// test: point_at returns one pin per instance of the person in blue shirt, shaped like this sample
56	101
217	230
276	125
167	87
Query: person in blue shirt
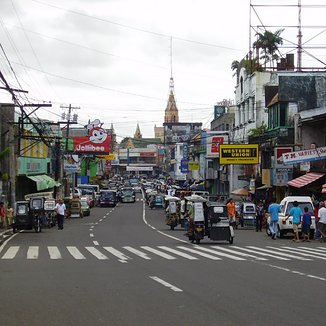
306	223
296	214
273	209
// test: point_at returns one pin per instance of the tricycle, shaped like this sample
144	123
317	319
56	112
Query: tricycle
172	209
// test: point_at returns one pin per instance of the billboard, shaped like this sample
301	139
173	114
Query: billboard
97	141
180	132
239	154
213	141
307	155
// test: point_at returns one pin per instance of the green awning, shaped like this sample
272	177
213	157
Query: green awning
43	181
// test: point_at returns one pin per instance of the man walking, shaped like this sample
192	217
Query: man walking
296	213
322	221
60	208
273	209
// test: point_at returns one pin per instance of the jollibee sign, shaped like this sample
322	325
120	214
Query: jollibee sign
97	141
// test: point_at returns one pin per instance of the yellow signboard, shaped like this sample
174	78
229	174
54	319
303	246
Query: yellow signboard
193	165
109	157
239	154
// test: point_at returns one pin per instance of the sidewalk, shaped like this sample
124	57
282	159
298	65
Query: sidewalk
5	234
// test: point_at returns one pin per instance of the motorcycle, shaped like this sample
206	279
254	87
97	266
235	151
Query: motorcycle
172	210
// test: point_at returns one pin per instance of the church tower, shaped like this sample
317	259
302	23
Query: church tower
171	111
138	134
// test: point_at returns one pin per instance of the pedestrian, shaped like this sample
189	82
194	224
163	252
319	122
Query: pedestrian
306	223
322	221
259	216
2	215
10	215
230	205
296	214
316	209
273	209
60	208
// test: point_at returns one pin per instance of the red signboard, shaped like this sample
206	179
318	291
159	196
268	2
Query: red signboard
98	141
148	154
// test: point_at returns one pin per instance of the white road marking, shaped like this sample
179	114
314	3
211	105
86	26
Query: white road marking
166	284
278	253
220	253
179	253
203	254
314	251
122	257
238	253
261	253
75	253
157	252
137	252
303	252
91	235
54	252
96	253
295	252
11	253
6	241
96	243
101	219
33	252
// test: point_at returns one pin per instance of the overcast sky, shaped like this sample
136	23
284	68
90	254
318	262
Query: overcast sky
111	58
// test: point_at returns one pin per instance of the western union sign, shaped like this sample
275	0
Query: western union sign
239	154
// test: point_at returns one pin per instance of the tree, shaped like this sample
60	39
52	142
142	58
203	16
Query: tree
268	42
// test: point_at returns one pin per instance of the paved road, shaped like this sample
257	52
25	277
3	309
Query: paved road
123	266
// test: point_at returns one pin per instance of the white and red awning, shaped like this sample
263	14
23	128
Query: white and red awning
306	179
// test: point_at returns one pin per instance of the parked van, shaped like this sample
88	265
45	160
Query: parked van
285	227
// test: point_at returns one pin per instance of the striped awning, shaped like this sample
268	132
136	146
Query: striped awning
306	179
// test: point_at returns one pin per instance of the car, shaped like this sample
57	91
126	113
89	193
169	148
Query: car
128	195
108	198
85	208
286	226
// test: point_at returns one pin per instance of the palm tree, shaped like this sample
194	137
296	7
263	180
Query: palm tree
236	66
269	43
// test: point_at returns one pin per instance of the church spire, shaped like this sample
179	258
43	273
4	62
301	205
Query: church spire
138	134
171	111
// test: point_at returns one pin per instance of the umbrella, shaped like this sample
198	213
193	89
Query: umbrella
240	192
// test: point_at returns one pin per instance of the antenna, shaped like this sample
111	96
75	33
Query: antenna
171	55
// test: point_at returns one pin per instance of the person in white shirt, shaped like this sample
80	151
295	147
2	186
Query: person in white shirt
60	208
322	221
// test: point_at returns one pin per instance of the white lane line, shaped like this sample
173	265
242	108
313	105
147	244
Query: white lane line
203	254
137	252
304	253
101	219
242	254
166	284
157	252
91	235
54	252
178	253
11	252
32	252
322	248
261	253
96	243
96	253
279	253
6	241
122	257
75	253
220	253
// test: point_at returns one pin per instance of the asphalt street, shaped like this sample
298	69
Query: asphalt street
124	266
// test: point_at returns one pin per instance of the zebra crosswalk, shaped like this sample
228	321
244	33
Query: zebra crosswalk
186	252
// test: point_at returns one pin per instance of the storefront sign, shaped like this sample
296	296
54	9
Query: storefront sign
306	155
193	166
239	154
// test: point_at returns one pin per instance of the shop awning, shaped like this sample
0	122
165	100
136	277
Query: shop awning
43	181
306	179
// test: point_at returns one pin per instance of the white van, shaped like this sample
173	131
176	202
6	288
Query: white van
285	227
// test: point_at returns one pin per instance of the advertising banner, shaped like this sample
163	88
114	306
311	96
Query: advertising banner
98	141
239	154
213	142
193	166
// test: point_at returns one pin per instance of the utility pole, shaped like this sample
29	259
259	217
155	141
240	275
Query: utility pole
68	117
